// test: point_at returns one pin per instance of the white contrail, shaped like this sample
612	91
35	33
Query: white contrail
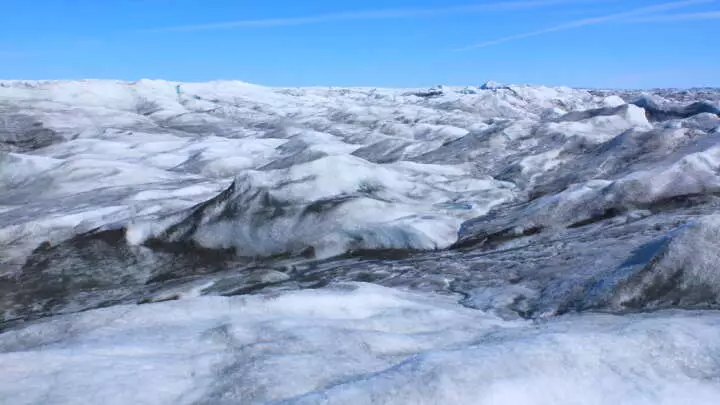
710	15
373	15
592	21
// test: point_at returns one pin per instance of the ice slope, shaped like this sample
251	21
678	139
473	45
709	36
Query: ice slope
494	245
333	205
229	169
137	136
121	142
357	344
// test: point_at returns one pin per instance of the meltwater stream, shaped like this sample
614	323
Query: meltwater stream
238	244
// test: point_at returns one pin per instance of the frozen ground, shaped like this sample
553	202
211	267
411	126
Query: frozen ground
243	244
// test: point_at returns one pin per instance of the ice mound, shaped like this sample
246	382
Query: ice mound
357	344
492	85
333	205
678	270
613	101
23	133
599	125
694	174
659	109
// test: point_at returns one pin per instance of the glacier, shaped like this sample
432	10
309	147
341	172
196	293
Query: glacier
235	243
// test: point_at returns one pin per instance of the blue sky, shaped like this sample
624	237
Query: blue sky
587	43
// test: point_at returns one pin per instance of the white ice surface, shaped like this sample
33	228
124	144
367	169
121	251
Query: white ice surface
402	205
357	344
140	149
409	170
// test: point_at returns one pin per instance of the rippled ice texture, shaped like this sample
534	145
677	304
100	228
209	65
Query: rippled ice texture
495	245
357	344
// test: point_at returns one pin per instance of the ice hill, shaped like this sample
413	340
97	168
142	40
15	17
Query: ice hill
449	245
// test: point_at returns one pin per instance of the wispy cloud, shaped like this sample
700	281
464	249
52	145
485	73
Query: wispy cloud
374	15
592	21
710	15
